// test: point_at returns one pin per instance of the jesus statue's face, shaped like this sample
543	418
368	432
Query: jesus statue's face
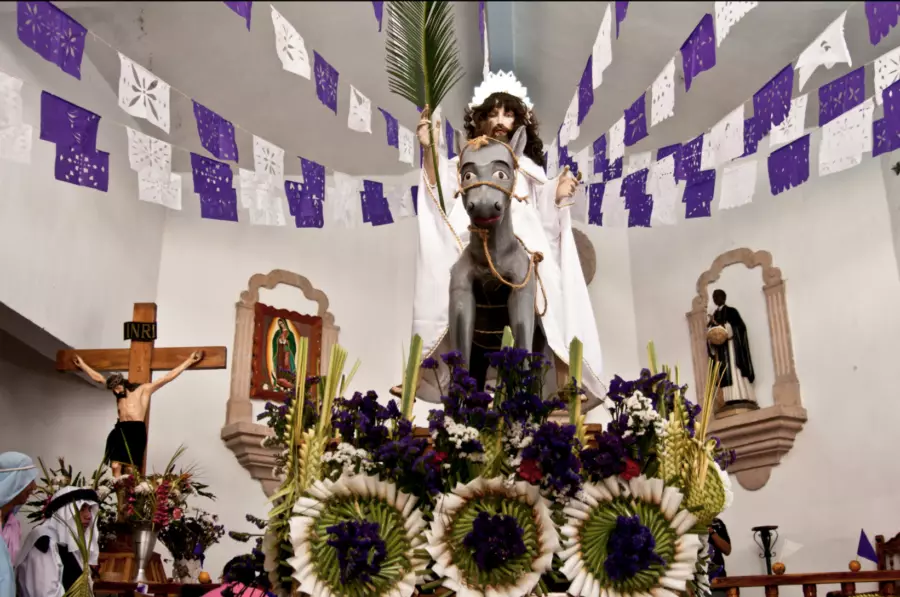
499	124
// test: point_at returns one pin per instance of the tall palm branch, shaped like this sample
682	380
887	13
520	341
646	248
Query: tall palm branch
423	58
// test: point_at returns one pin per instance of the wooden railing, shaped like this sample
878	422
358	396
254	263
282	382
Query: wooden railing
886	580
128	589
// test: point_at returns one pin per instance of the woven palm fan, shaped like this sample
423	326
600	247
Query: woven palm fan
423	58
717	335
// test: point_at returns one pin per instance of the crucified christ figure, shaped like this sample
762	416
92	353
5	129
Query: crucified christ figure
127	442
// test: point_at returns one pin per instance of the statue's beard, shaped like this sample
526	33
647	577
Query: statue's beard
500	132
120	395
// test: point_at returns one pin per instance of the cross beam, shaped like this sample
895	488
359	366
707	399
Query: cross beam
141	358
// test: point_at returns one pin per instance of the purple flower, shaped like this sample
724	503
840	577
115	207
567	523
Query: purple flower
607	459
430	363
360	549
453	359
494	539
630	549
553	447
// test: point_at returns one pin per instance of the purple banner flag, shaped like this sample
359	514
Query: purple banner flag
636	121
772	102
882	17
379	12
698	52
216	133
326	82
621	11
699	193
450	136
688	161
664	152
585	91
213	182
219	206
53	34
83	167
595	203
393	132
242	9
565	160
375	208
599	154
308	210
884	138
637	202
753	134
613	170
633	185
305	207
414	191
789	166
841	95
68	125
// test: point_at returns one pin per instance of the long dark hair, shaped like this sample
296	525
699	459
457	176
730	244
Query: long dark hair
475	117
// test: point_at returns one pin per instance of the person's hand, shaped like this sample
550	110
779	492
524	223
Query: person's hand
566	186
78	361
196	356
711	531
422	128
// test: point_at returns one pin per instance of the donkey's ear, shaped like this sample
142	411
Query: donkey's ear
459	140
519	138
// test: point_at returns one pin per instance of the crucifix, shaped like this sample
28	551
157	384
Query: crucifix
140	360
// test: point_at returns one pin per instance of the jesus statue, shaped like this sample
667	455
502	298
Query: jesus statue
541	219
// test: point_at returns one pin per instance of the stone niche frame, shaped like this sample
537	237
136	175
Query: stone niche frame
241	433
761	437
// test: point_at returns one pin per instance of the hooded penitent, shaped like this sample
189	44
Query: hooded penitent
50	560
17	472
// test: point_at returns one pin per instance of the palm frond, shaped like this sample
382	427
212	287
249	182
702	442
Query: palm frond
411	378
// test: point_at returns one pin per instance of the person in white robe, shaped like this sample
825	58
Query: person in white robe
50	560
17	481
541	219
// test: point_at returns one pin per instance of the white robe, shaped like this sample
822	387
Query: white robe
542	226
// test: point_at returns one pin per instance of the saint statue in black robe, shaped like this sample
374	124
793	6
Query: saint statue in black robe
733	355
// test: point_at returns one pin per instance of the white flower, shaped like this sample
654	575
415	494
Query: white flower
143	487
103	493
726	486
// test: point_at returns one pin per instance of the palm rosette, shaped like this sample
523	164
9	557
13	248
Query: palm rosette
492	538
629	538
357	536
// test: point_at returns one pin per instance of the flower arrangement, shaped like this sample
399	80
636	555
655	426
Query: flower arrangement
499	499
248	569
188	538
159	498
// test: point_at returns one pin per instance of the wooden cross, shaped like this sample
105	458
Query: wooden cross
142	358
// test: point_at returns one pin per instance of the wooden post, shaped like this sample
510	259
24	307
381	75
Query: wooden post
771	590
141	358
848	589
733	592
809	590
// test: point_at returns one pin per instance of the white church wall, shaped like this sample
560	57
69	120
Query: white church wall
73	259
832	239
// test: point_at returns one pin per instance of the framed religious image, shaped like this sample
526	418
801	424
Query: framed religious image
275	345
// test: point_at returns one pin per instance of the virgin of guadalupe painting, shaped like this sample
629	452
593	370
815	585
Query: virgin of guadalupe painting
275	346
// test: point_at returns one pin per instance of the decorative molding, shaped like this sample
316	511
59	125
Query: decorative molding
241	433
761	437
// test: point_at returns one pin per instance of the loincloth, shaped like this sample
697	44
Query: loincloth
127	442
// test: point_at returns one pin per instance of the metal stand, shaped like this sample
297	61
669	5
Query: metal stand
763	537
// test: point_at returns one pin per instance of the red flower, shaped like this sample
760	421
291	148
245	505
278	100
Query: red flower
530	471
440	457
632	469
177	513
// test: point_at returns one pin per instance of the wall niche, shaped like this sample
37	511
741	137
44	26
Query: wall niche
241	433
760	437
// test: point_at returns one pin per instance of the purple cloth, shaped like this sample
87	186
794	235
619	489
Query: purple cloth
842	94
753	134
326	82
213	182
885	139
636	121
53	34
216	133
585	91
698	52
664	152
242	9
699	193
772	102
68	125
393	132
450	136
882	17
12	535
621	11
688	161
219	206
379	12
599	154
637	202
789	166
308	209
83	167
613	170
595	203
375	206
414	190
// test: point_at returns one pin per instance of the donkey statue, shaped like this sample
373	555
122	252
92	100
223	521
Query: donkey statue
494	282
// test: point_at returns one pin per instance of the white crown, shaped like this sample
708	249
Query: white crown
500	82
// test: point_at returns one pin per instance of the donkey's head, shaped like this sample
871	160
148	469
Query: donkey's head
487	176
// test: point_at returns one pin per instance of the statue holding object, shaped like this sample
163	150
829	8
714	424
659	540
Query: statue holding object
727	343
